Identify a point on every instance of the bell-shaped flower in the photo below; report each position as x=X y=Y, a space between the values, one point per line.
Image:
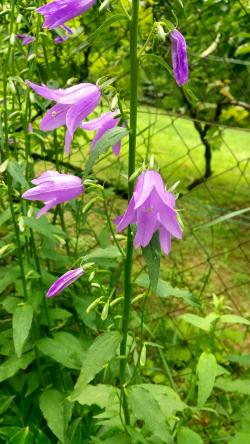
x=54 y=188
x=152 y=209
x=58 y=12
x=73 y=104
x=26 y=39
x=179 y=57
x=102 y=124
x=64 y=281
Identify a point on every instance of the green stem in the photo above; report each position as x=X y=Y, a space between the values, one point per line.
x=131 y=169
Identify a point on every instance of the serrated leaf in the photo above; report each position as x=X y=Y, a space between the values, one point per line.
x=12 y=365
x=51 y=405
x=146 y=409
x=207 y=371
x=152 y=257
x=196 y=321
x=21 y=323
x=188 y=436
x=100 y=353
x=234 y=319
x=16 y=171
x=100 y=394
x=164 y=289
x=109 y=138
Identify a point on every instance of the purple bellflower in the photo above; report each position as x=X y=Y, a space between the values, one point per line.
x=179 y=57
x=64 y=281
x=58 y=12
x=54 y=188
x=72 y=106
x=152 y=209
x=102 y=124
x=26 y=39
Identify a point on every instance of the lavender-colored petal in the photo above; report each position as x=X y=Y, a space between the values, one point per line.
x=45 y=176
x=46 y=208
x=165 y=240
x=67 y=96
x=168 y=220
x=59 y=39
x=26 y=39
x=179 y=57
x=117 y=148
x=55 y=117
x=146 y=226
x=58 y=12
x=64 y=281
x=129 y=217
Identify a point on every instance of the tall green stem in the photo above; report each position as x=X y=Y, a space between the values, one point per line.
x=131 y=169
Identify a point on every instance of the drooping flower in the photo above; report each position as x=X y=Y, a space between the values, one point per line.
x=58 y=12
x=152 y=209
x=54 y=188
x=102 y=124
x=64 y=281
x=72 y=106
x=26 y=39
x=179 y=57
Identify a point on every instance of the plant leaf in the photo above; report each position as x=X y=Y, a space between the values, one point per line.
x=188 y=436
x=196 y=321
x=21 y=322
x=100 y=353
x=206 y=370
x=11 y=366
x=51 y=405
x=16 y=171
x=234 y=319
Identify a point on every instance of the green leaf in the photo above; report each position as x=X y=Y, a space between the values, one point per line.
x=146 y=409
x=168 y=400
x=16 y=171
x=100 y=394
x=243 y=49
x=206 y=370
x=152 y=257
x=234 y=319
x=24 y=436
x=196 y=321
x=21 y=322
x=41 y=438
x=100 y=353
x=63 y=348
x=5 y=402
x=12 y=365
x=8 y=276
x=240 y=359
x=188 y=436
x=165 y=290
x=43 y=227
x=241 y=386
x=97 y=255
x=110 y=138
x=51 y=405
x=222 y=218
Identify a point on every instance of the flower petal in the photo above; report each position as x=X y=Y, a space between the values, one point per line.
x=54 y=118
x=64 y=281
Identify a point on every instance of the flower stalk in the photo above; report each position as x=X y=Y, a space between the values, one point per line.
x=131 y=169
